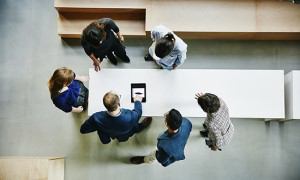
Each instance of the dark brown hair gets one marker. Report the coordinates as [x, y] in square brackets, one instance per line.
[173, 119]
[60, 78]
[210, 103]
[165, 45]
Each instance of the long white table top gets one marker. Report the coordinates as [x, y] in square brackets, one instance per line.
[248, 93]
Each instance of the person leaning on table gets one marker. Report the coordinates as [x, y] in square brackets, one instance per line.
[67, 90]
[116, 123]
[102, 38]
[217, 126]
[167, 49]
[170, 144]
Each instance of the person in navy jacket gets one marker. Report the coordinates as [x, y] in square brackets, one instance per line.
[67, 90]
[116, 123]
[171, 144]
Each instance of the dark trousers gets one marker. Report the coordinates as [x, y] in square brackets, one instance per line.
[119, 51]
[106, 138]
[82, 99]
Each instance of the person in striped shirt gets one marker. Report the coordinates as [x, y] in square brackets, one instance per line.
[218, 128]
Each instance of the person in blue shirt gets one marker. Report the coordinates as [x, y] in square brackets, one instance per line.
[116, 123]
[171, 144]
[67, 90]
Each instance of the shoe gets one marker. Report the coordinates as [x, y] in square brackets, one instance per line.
[204, 133]
[145, 123]
[137, 160]
[126, 59]
[113, 60]
[148, 57]
[204, 126]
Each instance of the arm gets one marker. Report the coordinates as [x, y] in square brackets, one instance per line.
[77, 109]
[137, 111]
[88, 126]
[111, 25]
[96, 62]
[88, 51]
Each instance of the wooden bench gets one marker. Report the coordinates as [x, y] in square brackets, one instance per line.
[218, 19]
[248, 93]
[292, 96]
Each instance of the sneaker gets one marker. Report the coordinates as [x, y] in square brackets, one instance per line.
[137, 160]
[204, 133]
[148, 57]
[145, 123]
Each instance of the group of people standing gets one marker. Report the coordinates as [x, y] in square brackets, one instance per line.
[102, 39]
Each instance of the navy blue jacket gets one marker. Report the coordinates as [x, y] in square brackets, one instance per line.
[68, 99]
[121, 127]
[171, 147]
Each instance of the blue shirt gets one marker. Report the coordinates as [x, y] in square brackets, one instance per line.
[68, 99]
[171, 147]
[107, 126]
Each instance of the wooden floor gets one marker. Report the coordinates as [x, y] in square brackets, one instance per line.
[29, 168]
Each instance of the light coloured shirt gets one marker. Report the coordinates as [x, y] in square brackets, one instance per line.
[177, 55]
[220, 128]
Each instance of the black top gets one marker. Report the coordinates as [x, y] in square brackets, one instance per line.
[101, 50]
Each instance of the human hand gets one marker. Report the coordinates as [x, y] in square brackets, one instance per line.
[96, 66]
[197, 95]
[121, 38]
[137, 98]
[77, 109]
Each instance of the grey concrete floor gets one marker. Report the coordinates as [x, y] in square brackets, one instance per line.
[30, 50]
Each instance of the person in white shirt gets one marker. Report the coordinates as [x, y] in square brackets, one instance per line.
[167, 50]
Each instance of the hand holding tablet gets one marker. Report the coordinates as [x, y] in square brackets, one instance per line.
[138, 90]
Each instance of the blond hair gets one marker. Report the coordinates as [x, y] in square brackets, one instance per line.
[111, 101]
[60, 78]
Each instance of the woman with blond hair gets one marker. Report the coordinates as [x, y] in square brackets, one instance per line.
[67, 90]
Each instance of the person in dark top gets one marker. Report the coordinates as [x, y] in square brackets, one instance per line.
[67, 90]
[101, 39]
[116, 123]
[171, 144]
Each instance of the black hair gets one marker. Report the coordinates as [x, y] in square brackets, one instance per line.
[164, 45]
[173, 119]
[210, 103]
[92, 34]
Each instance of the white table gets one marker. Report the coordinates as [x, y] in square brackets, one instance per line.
[292, 95]
[248, 93]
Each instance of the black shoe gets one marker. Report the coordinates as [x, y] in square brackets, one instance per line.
[148, 57]
[205, 127]
[126, 59]
[113, 60]
[137, 160]
[145, 123]
[204, 133]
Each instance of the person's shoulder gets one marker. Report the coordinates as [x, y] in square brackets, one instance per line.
[163, 136]
[186, 121]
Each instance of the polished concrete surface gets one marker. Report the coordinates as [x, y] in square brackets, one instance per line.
[30, 50]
